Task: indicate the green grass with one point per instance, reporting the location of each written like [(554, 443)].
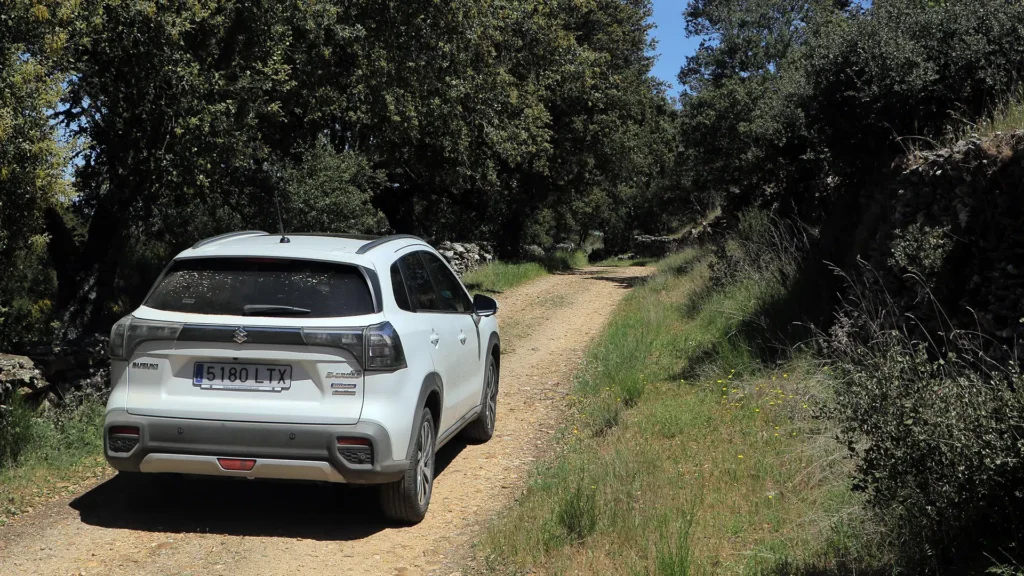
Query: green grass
[(684, 455), (1007, 118), (59, 452), (498, 276)]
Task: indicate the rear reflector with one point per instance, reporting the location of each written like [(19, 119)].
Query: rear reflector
[(236, 464), (122, 439), (353, 442)]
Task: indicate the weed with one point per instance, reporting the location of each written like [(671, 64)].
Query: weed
[(577, 511)]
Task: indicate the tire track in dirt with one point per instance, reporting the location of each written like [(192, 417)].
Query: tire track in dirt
[(219, 526)]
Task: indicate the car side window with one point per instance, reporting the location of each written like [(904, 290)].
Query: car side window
[(451, 296), (417, 279), (398, 285)]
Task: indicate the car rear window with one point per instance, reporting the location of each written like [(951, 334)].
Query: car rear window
[(268, 286)]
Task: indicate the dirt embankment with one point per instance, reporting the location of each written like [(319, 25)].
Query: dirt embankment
[(215, 526)]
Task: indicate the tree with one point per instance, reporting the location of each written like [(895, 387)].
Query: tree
[(33, 158)]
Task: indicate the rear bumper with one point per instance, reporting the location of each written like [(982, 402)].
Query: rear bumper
[(281, 451)]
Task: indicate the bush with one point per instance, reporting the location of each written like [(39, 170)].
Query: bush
[(15, 428), (562, 261), (937, 429)]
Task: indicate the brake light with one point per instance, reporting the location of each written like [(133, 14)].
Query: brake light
[(129, 332), (122, 439), (236, 464)]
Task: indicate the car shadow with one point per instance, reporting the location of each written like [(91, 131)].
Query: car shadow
[(240, 507)]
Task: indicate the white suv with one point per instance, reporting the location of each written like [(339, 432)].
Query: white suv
[(309, 357)]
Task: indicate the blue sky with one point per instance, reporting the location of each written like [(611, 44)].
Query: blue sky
[(673, 45)]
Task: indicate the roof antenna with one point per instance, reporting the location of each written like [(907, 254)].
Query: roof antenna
[(280, 217)]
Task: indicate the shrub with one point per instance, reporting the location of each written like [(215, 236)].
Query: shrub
[(937, 428), (15, 428), (561, 260)]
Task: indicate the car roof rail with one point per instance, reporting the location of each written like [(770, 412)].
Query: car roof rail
[(375, 243), (220, 237), (333, 235)]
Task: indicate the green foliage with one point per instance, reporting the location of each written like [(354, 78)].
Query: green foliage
[(803, 103), (488, 119), (936, 428), (33, 159), (807, 108), (16, 430), (42, 449), (562, 261), (330, 191)]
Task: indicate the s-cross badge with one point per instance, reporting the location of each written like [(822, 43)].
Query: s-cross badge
[(241, 335)]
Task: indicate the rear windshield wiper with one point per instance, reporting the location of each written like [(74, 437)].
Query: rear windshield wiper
[(271, 310)]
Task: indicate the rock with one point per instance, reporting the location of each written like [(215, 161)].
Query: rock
[(16, 373), (49, 375), (533, 252), (465, 256)]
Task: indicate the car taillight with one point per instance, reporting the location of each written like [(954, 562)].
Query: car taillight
[(375, 347), (129, 332), (383, 348)]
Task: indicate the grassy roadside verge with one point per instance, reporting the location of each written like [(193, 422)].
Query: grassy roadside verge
[(61, 452), (684, 455), (499, 276)]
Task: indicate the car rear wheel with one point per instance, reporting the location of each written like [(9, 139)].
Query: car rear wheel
[(406, 500), (482, 429)]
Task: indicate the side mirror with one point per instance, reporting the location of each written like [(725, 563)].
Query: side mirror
[(484, 305)]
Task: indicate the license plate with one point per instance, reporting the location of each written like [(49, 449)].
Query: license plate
[(258, 377)]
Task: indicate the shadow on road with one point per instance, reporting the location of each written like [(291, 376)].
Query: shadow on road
[(239, 507), (620, 280)]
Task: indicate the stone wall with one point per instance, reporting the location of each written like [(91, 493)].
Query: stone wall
[(946, 234), (465, 256), (51, 374), (644, 246)]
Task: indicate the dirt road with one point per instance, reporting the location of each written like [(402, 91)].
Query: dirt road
[(220, 526)]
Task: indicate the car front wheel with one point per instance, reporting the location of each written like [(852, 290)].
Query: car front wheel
[(482, 429)]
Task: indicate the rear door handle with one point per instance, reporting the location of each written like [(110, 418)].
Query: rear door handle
[(434, 339), (462, 338)]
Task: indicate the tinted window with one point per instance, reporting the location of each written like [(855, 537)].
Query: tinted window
[(227, 285), (452, 297), (398, 285), (417, 279)]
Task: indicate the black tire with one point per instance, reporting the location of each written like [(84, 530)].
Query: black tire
[(407, 500), (482, 429)]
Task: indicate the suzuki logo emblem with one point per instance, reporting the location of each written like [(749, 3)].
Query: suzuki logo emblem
[(241, 335)]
